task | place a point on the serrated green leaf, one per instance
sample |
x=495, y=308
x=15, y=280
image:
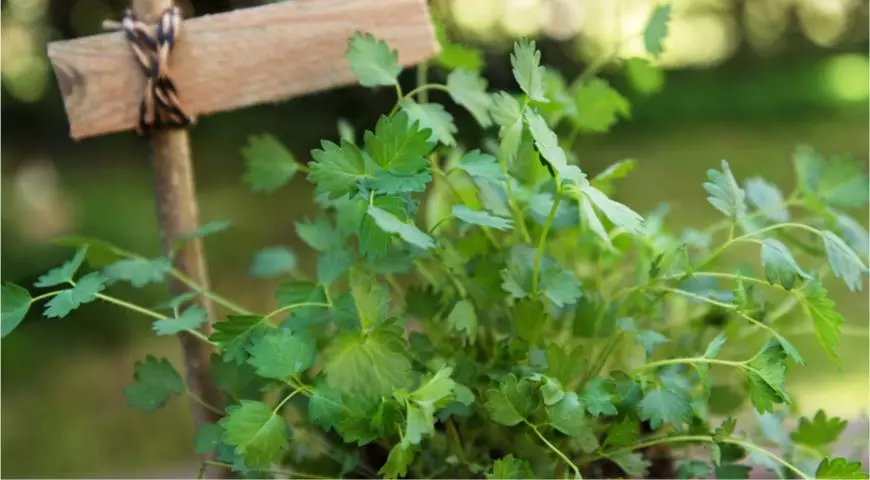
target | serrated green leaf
x=331, y=265
x=409, y=233
x=84, y=291
x=337, y=170
x=725, y=194
x=633, y=464
x=373, y=240
x=551, y=391
x=15, y=303
x=643, y=76
x=779, y=265
x=843, y=183
x=273, y=262
x=568, y=416
x=688, y=469
x=279, y=354
x=508, y=114
x=598, y=398
x=138, y=271
x=564, y=365
x=547, y=142
x=400, y=458
x=529, y=318
x=419, y=423
x=388, y=183
x=269, y=165
x=63, y=273
x=650, y=340
x=431, y=116
x=370, y=298
x=827, y=321
x=235, y=333
x=560, y=286
x=481, y=218
x=511, y=402
x=527, y=70
x=598, y=106
x=656, y=29
x=154, y=382
x=623, y=433
x=464, y=319
x=373, y=364
x=845, y=263
x=319, y=234
x=455, y=55
x=398, y=145
x=192, y=317
x=256, y=433
x=767, y=198
x=435, y=389
x=372, y=61
x=818, y=432
x=664, y=405
x=483, y=166
x=468, y=89
x=325, y=407
x=766, y=380
x=619, y=214
x=840, y=469
x=854, y=234
x=208, y=438
x=510, y=467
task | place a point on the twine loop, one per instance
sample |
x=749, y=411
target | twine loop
x=161, y=106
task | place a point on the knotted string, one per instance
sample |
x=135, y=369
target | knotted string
x=160, y=107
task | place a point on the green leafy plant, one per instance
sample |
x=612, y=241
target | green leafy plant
x=495, y=312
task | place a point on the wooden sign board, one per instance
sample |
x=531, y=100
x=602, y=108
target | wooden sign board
x=236, y=59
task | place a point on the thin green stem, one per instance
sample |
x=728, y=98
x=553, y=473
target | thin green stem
x=44, y=296
x=202, y=402
x=399, y=95
x=727, y=306
x=555, y=449
x=294, y=306
x=209, y=294
x=709, y=439
x=422, y=79
x=443, y=177
x=690, y=361
x=151, y=313
x=287, y=398
x=716, y=253
x=542, y=242
x=417, y=91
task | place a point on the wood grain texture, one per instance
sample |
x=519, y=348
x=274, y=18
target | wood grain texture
x=236, y=59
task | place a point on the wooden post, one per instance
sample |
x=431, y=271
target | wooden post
x=177, y=215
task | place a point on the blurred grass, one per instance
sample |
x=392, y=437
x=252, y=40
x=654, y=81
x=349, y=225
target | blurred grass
x=67, y=403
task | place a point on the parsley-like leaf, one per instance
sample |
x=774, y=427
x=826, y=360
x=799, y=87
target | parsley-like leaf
x=843, y=183
x=508, y=114
x=714, y=346
x=565, y=365
x=510, y=467
x=208, y=438
x=192, y=317
x=547, y=142
x=389, y=183
x=568, y=417
x=373, y=364
x=643, y=76
x=688, y=469
x=657, y=29
x=336, y=170
x=210, y=228
x=598, y=397
x=483, y=166
x=281, y=353
x=623, y=433
x=840, y=469
x=155, y=382
x=468, y=89
x=779, y=264
x=84, y=291
x=235, y=333
x=15, y=303
x=331, y=265
x=526, y=64
x=511, y=402
x=725, y=194
x=319, y=234
x=431, y=116
x=665, y=405
x=325, y=407
x=273, y=262
x=844, y=262
x=370, y=297
x=398, y=144
x=409, y=233
x=598, y=106
x=63, y=273
x=767, y=379
x=481, y=218
x=820, y=431
x=256, y=432
x=633, y=464
x=463, y=319
x=827, y=321
x=400, y=458
x=138, y=271
x=372, y=61
x=621, y=215
x=767, y=198
x=269, y=164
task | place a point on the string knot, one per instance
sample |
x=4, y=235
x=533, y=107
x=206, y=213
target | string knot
x=161, y=106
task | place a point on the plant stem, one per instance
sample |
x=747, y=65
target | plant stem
x=438, y=171
x=294, y=306
x=716, y=253
x=209, y=294
x=542, y=242
x=151, y=313
x=727, y=306
x=555, y=449
x=417, y=91
x=689, y=361
x=44, y=296
x=422, y=78
x=202, y=402
x=709, y=439
x=287, y=398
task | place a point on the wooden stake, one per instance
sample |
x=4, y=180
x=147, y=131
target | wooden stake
x=177, y=215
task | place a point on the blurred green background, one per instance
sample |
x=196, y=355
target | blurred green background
x=747, y=80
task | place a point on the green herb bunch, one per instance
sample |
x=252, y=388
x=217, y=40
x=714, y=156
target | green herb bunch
x=534, y=327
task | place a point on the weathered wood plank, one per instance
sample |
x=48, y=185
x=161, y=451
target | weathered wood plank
x=235, y=59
